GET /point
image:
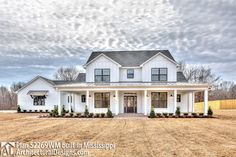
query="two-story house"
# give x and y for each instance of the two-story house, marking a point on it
(125, 81)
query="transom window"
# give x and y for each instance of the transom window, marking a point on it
(39, 100)
(130, 73)
(159, 74)
(102, 75)
(159, 99)
(102, 100)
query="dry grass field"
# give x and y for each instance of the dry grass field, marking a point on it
(139, 137)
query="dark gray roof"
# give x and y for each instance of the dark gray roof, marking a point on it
(181, 77)
(130, 58)
(80, 77)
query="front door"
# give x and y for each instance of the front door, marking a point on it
(130, 104)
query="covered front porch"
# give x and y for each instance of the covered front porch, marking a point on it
(130, 100)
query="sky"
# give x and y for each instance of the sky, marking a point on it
(39, 36)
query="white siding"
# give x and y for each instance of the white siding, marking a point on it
(100, 63)
(137, 74)
(26, 102)
(159, 62)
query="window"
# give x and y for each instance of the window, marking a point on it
(159, 100)
(159, 74)
(178, 98)
(39, 100)
(69, 99)
(83, 98)
(130, 73)
(102, 100)
(102, 75)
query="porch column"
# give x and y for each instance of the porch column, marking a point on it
(175, 101)
(87, 100)
(145, 102)
(193, 99)
(116, 102)
(69, 102)
(190, 101)
(205, 102)
(59, 105)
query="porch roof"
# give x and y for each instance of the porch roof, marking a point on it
(133, 85)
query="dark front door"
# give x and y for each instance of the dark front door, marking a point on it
(130, 104)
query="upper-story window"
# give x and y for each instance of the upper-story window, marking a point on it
(130, 73)
(159, 74)
(102, 75)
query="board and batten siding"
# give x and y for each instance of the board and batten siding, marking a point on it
(102, 63)
(159, 62)
(137, 74)
(26, 102)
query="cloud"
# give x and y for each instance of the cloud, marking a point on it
(42, 35)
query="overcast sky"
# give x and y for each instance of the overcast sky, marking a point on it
(38, 36)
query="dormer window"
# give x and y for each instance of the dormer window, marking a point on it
(102, 75)
(130, 73)
(159, 74)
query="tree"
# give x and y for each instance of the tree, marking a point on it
(16, 86)
(66, 73)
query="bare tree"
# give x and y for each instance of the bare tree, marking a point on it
(16, 86)
(66, 73)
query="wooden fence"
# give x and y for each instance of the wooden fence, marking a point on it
(216, 105)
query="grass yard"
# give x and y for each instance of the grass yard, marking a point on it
(133, 137)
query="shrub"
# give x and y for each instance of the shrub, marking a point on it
(177, 112)
(40, 111)
(55, 111)
(158, 114)
(78, 114)
(86, 112)
(109, 113)
(18, 109)
(90, 115)
(35, 111)
(30, 111)
(171, 114)
(152, 113)
(185, 114)
(102, 115)
(63, 111)
(209, 112)
(46, 111)
(201, 114)
(97, 115)
(51, 114)
(165, 114)
(24, 111)
(71, 114)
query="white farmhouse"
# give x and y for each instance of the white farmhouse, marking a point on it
(125, 81)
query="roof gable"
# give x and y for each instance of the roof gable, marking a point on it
(35, 79)
(130, 58)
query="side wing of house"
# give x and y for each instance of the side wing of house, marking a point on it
(38, 95)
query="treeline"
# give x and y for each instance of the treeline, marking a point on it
(8, 97)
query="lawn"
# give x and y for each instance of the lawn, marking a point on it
(132, 136)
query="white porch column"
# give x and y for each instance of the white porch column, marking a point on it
(193, 99)
(175, 101)
(59, 105)
(87, 100)
(70, 102)
(116, 102)
(205, 101)
(190, 101)
(145, 102)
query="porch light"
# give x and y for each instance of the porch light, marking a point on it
(147, 95)
(89, 95)
(171, 95)
(114, 96)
